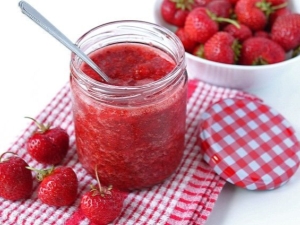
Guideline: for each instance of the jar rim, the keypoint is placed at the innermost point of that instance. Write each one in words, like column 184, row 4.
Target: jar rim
column 179, row 61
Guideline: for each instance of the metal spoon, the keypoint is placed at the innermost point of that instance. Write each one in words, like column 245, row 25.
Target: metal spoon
column 40, row 20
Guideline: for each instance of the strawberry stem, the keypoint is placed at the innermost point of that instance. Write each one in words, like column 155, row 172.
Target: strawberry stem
column 98, row 180
column 42, row 173
column 1, row 156
column 280, row 6
column 222, row 19
column 42, row 128
column 102, row 190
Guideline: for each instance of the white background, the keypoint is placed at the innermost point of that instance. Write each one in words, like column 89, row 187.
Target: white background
column 34, row 67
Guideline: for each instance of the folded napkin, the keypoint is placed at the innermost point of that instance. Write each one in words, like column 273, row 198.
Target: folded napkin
column 187, row 197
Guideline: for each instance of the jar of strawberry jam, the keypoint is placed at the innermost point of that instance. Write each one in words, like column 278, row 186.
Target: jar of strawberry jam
column 131, row 128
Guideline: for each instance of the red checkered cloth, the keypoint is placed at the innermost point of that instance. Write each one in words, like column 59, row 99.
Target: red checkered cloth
column 187, row 197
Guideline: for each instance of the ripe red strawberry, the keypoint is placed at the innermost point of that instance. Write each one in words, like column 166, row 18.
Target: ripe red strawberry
column 175, row 11
column 201, row 24
column 48, row 145
column 233, row 2
column 250, row 14
column 221, row 47
column 255, row 13
column 187, row 43
column 102, row 205
column 262, row 33
column 261, row 51
column 58, row 186
column 285, row 31
column 15, row 179
column 221, row 8
column 240, row 33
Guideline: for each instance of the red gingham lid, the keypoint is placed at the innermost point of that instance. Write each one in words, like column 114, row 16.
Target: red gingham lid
column 249, row 144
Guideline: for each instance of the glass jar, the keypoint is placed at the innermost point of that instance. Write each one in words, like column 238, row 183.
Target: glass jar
column 133, row 135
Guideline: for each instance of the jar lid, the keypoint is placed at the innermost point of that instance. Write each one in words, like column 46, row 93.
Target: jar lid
column 249, row 144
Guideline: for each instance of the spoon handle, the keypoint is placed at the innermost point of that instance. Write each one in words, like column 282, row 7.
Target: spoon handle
column 40, row 20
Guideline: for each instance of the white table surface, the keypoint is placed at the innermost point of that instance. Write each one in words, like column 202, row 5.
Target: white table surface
column 34, row 67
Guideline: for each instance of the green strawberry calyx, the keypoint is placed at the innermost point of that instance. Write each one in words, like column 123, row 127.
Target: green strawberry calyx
column 236, row 46
column 42, row 128
column 259, row 61
column 200, row 51
column 98, row 189
column 296, row 52
column 268, row 8
column 41, row 173
column 184, row 4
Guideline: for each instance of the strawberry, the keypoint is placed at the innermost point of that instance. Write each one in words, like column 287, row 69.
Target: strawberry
column 102, row 205
column 201, row 24
column 261, row 51
column 175, row 11
column 233, row 2
column 58, row 186
column 48, row 145
column 221, row 8
column 240, row 33
column 255, row 13
column 285, row 31
column 262, row 33
column 188, row 44
column 221, row 47
column 15, row 180
column 249, row 14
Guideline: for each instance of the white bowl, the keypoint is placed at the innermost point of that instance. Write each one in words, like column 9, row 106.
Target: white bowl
column 233, row 76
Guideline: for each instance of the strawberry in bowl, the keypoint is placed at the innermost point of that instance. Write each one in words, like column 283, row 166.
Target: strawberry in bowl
column 226, row 59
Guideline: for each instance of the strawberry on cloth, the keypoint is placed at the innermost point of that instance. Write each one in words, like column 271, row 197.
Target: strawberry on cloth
column 102, row 205
column 48, row 145
column 58, row 186
column 15, row 179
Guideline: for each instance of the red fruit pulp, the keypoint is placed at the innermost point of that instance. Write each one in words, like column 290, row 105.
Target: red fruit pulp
column 132, row 145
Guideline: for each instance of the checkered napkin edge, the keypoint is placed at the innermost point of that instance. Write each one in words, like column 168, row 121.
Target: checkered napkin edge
column 187, row 197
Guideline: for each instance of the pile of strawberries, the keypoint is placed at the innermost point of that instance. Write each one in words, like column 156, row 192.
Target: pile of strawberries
column 58, row 185
column 243, row 32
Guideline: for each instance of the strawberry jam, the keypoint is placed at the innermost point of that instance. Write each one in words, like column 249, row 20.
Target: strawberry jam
column 132, row 129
